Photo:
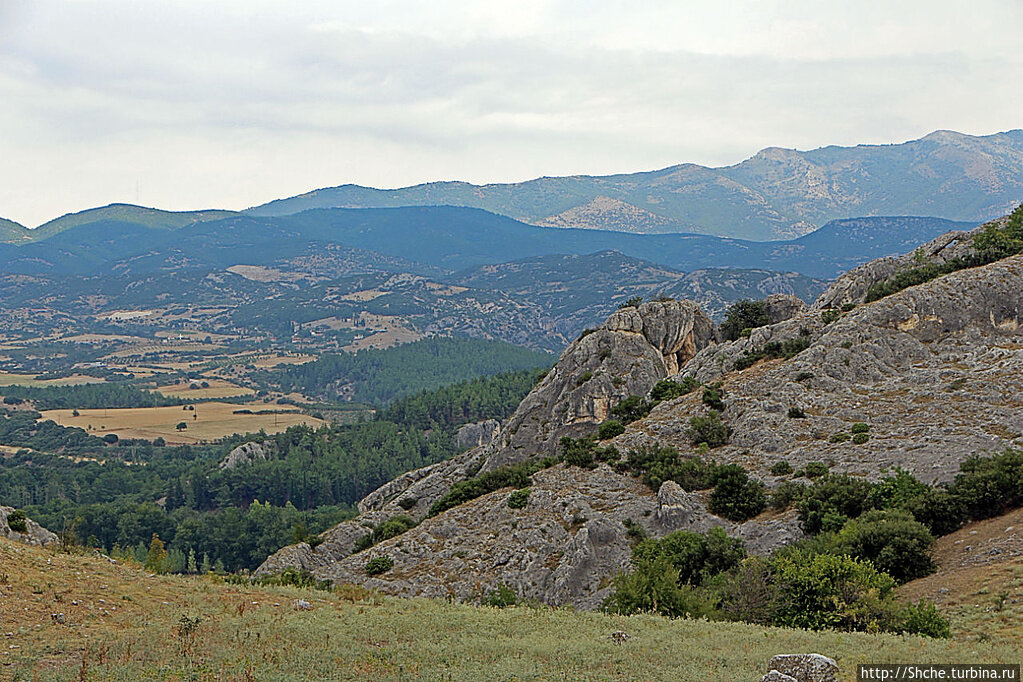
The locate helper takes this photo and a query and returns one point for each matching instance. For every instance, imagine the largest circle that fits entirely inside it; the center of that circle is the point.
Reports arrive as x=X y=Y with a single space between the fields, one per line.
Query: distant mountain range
x=776 y=194
x=143 y=241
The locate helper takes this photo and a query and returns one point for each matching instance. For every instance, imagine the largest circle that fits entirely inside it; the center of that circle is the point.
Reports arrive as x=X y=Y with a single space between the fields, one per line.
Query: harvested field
x=207 y=422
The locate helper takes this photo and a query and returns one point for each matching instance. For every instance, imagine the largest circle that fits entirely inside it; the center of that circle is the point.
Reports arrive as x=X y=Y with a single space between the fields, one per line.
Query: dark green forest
x=379 y=376
x=122 y=494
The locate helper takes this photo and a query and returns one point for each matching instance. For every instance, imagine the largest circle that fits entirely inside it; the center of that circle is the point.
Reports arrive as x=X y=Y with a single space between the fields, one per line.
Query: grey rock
x=247 y=453
x=781 y=307
x=805 y=667
x=34 y=533
x=302 y=605
x=775 y=676
x=474 y=435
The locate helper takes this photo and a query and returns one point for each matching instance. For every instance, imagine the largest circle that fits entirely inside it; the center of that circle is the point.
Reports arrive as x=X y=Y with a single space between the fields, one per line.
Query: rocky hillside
x=775 y=194
x=933 y=372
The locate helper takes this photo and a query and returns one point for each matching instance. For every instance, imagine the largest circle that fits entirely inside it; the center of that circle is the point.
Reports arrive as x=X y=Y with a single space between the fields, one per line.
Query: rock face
x=627 y=355
x=247 y=453
x=934 y=371
x=474 y=435
x=781 y=307
x=852 y=287
x=34 y=534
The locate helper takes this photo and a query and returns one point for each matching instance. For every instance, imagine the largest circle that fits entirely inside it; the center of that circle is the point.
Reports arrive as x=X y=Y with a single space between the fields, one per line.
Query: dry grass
x=209 y=421
x=218 y=388
x=979 y=582
x=30 y=380
x=128 y=625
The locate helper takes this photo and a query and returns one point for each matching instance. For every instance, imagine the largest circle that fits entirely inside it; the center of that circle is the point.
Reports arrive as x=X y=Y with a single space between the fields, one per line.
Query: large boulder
x=33 y=534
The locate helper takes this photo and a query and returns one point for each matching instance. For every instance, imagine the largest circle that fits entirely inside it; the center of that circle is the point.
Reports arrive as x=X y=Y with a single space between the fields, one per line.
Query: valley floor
x=121 y=623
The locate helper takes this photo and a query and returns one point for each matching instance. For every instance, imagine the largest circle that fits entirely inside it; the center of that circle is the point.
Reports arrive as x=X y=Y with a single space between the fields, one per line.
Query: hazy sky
x=186 y=105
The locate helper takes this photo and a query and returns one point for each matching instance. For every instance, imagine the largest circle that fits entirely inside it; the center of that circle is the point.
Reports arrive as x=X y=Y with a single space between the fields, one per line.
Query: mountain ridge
x=775 y=194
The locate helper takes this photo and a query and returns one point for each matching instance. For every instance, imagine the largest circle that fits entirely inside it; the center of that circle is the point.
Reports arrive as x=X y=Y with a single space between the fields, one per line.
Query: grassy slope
x=124 y=627
x=979 y=583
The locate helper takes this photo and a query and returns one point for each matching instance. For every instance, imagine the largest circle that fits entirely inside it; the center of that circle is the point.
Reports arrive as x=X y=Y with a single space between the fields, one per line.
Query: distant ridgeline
x=443 y=237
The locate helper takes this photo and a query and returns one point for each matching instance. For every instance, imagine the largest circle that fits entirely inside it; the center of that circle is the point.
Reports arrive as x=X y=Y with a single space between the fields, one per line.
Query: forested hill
x=379 y=376
x=444 y=237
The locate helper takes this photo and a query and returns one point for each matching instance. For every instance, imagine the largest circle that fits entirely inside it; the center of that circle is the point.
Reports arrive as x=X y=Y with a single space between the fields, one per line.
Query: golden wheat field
x=207 y=422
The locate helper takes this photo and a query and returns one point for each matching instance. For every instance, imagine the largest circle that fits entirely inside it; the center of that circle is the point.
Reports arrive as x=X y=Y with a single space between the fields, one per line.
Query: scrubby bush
x=892 y=540
x=833 y=497
x=989 y=486
x=629 y=410
x=736 y=496
x=518 y=499
x=839 y=437
x=860 y=427
x=710 y=430
x=741 y=315
x=657 y=464
x=501 y=597
x=781 y=468
x=17 y=521
x=379 y=564
x=712 y=397
x=796 y=413
x=385 y=530
x=610 y=429
x=815 y=469
x=787 y=494
x=666 y=389
x=860 y=438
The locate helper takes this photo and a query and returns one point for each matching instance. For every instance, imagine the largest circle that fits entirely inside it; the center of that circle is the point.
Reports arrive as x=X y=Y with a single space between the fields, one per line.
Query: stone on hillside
x=781 y=307
x=805 y=667
x=775 y=676
x=247 y=453
x=34 y=534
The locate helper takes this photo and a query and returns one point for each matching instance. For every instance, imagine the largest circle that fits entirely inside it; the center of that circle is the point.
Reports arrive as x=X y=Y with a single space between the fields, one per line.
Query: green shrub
x=892 y=540
x=666 y=389
x=860 y=438
x=407 y=503
x=839 y=437
x=501 y=597
x=781 y=468
x=632 y=302
x=712 y=397
x=657 y=464
x=825 y=591
x=834 y=495
x=815 y=469
x=385 y=530
x=629 y=410
x=583 y=378
x=829 y=316
x=744 y=314
x=922 y=618
x=379 y=564
x=515 y=476
x=860 y=427
x=786 y=349
x=610 y=429
x=736 y=496
x=17 y=521
x=710 y=430
x=787 y=494
x=804 y=376
x=519 y=498
x=989 y=486
x=796 y=413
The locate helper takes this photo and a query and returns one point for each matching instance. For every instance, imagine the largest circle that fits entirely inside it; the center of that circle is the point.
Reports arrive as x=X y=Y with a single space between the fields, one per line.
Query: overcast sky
x=185 y=105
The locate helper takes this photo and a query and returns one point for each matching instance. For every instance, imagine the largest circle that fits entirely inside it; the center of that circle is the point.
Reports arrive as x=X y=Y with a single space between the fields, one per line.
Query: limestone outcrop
x=33 y=534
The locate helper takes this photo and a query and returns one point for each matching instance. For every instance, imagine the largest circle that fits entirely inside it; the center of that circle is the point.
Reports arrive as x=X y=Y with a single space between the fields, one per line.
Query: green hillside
x=12 y=232
x=128 y=213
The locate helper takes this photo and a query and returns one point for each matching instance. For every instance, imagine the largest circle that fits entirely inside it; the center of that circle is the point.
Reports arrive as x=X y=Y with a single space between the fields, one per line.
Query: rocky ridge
x=935 y=371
